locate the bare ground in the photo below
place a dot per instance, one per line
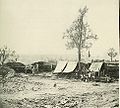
(38, 92)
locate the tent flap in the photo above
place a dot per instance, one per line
(70, 67)
(60, 67)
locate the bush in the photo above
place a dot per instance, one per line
(6, 72)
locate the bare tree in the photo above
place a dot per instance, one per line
(79, 35)
(7, 55)
(112, 53)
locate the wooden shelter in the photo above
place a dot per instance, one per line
(104, 69)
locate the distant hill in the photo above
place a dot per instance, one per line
(28, 59)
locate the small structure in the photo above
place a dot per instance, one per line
(96, 68)
(104, 71)
(41, 66)
(70, 70)
(28, 68)
(17, 66)
(112, 69)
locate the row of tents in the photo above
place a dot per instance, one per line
(96, 68)
(65, 67)
(69, 69)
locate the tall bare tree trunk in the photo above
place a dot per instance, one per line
(79, 60)
(79, 47)
(111, 59)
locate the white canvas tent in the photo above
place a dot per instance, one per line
(96, 66)
(60, 67)
(70, 67)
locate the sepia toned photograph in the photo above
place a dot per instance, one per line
(59, 53)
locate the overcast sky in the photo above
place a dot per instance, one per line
(37, 26)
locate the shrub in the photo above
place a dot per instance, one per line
(6, 73)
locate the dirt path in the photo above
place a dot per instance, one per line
(36, 92)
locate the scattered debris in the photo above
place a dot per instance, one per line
(96, 84)
(55, 85)
(19, 92)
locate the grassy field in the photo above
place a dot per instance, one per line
(38, 92)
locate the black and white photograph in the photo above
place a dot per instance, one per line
(59, 53)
